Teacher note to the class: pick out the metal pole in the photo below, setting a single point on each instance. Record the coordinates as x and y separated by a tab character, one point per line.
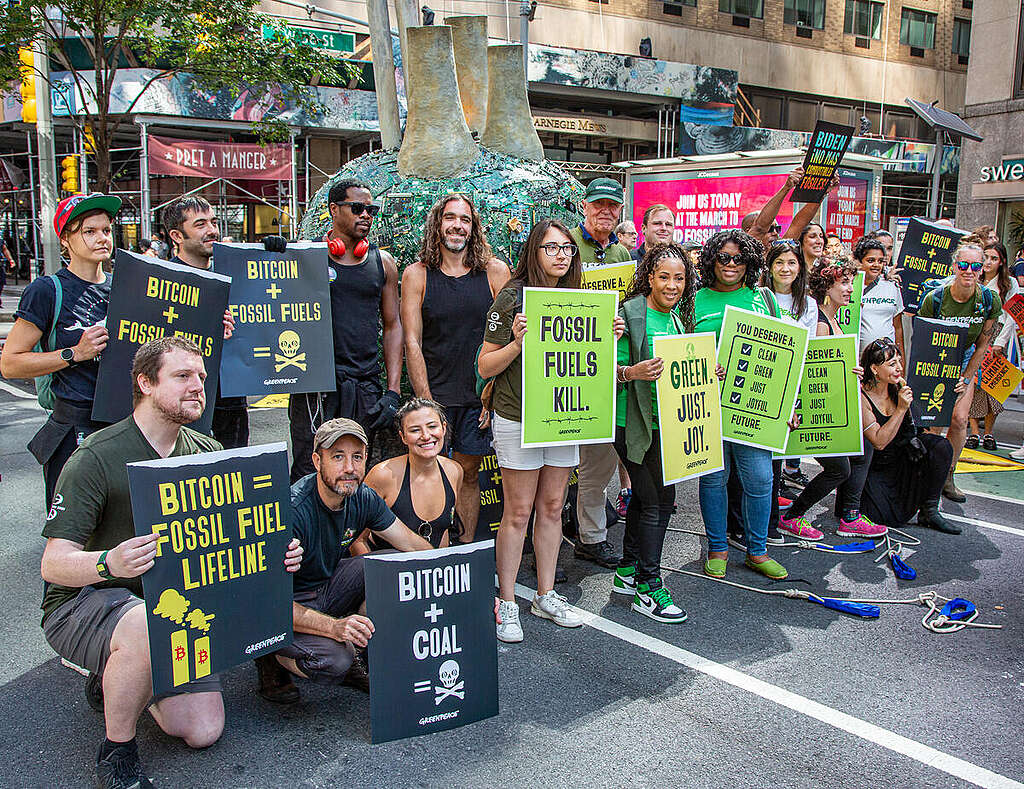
524	36
34	223
293	201
47	160
146	224
305	193
936	175
384	73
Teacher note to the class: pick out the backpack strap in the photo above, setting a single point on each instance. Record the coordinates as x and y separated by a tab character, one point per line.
58	299
769	300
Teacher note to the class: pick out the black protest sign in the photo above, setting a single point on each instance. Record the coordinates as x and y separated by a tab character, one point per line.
152	298
218	594
492	503
828	144
283	340
936	355
926	254
433	655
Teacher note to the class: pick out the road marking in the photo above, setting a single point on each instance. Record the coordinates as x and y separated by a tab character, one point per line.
984	524
6	387
885	738
993	496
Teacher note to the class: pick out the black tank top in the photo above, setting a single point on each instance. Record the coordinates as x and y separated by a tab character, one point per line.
454	310
894	454
355	313
431	530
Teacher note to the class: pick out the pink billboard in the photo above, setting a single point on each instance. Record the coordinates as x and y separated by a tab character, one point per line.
705	205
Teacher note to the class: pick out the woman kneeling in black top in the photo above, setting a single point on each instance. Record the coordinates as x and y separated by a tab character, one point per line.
907	470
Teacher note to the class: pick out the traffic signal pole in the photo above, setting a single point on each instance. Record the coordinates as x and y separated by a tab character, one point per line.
47	161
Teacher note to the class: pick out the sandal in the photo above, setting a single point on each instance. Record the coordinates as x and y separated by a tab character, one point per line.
769	567
972	442
989	443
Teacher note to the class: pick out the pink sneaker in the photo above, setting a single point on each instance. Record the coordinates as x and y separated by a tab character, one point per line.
800	527
862	526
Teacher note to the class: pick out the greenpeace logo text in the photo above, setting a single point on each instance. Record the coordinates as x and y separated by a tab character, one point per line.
264	643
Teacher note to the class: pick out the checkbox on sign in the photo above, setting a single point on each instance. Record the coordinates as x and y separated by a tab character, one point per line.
746	349
734	398
799	404
738	381
742	365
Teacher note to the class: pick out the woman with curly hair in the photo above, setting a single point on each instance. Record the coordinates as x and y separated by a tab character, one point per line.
831	286
659	302
995	275
730	266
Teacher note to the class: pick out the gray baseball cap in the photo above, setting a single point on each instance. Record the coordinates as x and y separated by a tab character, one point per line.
333	429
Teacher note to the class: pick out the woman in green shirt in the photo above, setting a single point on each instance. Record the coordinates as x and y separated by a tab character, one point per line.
659	302
730	265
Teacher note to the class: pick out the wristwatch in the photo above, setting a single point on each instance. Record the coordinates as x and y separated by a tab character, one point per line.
102	568
68	355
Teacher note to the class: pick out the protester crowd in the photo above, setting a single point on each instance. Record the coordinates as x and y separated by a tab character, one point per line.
457	322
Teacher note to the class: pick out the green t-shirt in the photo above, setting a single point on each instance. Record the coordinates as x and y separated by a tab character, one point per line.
507	397
92	505
658	324
709	307
590	250
970	314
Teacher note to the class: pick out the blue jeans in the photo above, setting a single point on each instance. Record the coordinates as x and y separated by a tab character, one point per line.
754	467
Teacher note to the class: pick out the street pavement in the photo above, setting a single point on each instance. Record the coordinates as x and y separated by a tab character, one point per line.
752	691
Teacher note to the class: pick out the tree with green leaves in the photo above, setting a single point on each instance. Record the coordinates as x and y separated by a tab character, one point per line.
219	42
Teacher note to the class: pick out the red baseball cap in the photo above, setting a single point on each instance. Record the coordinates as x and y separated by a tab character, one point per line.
76	205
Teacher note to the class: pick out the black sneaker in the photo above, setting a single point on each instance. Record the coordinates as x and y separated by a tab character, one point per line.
599	553
653	600
94	691
275	682
560	576
794	479
989	443
121	769
775	537
738	540
971	442
358	675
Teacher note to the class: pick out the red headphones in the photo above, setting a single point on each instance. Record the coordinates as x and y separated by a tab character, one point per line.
337	247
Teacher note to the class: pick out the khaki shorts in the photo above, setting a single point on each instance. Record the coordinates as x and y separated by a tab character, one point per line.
80	631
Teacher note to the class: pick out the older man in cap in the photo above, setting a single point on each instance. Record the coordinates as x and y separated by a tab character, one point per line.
330	508
599	247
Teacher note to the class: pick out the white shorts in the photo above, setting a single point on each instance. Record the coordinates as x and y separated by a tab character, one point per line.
508	446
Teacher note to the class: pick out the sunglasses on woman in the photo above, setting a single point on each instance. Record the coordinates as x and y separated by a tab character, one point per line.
358	208
725	259
963	265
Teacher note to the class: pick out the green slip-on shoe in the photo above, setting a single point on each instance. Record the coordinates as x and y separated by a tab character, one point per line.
770	567
715	567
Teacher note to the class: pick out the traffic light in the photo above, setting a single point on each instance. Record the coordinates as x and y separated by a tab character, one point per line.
26	65
89	142
69	173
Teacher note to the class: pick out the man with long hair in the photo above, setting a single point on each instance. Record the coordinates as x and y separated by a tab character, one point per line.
445	297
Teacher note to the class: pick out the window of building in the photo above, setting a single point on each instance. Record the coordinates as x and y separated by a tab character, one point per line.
864	18
801	115
769	109
917	29
675	7
753	8
805	13
836	113
961	38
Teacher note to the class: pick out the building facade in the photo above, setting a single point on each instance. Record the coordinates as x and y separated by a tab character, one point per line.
992	171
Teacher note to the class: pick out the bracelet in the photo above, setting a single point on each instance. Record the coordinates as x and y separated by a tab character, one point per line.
620	375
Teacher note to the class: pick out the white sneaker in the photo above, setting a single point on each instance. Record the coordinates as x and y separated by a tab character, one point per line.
556	608
509	631
1018	454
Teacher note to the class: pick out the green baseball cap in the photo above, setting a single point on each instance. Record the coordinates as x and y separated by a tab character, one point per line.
604	189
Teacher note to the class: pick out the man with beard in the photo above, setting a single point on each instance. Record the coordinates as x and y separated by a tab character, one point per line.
330	508
93	612
364	295
445	297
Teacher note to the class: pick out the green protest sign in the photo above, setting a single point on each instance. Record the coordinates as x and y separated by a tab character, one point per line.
689	414
763	358
829	401
848	317
568	366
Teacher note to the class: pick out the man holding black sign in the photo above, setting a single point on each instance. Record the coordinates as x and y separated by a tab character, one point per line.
364	295
330	508
92	565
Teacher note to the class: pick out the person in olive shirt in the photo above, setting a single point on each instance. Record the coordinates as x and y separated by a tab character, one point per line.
967	303
330	509
599	247
93	612
664	281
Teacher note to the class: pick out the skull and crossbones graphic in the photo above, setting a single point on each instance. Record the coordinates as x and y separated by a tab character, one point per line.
935	399
448	674
288	342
